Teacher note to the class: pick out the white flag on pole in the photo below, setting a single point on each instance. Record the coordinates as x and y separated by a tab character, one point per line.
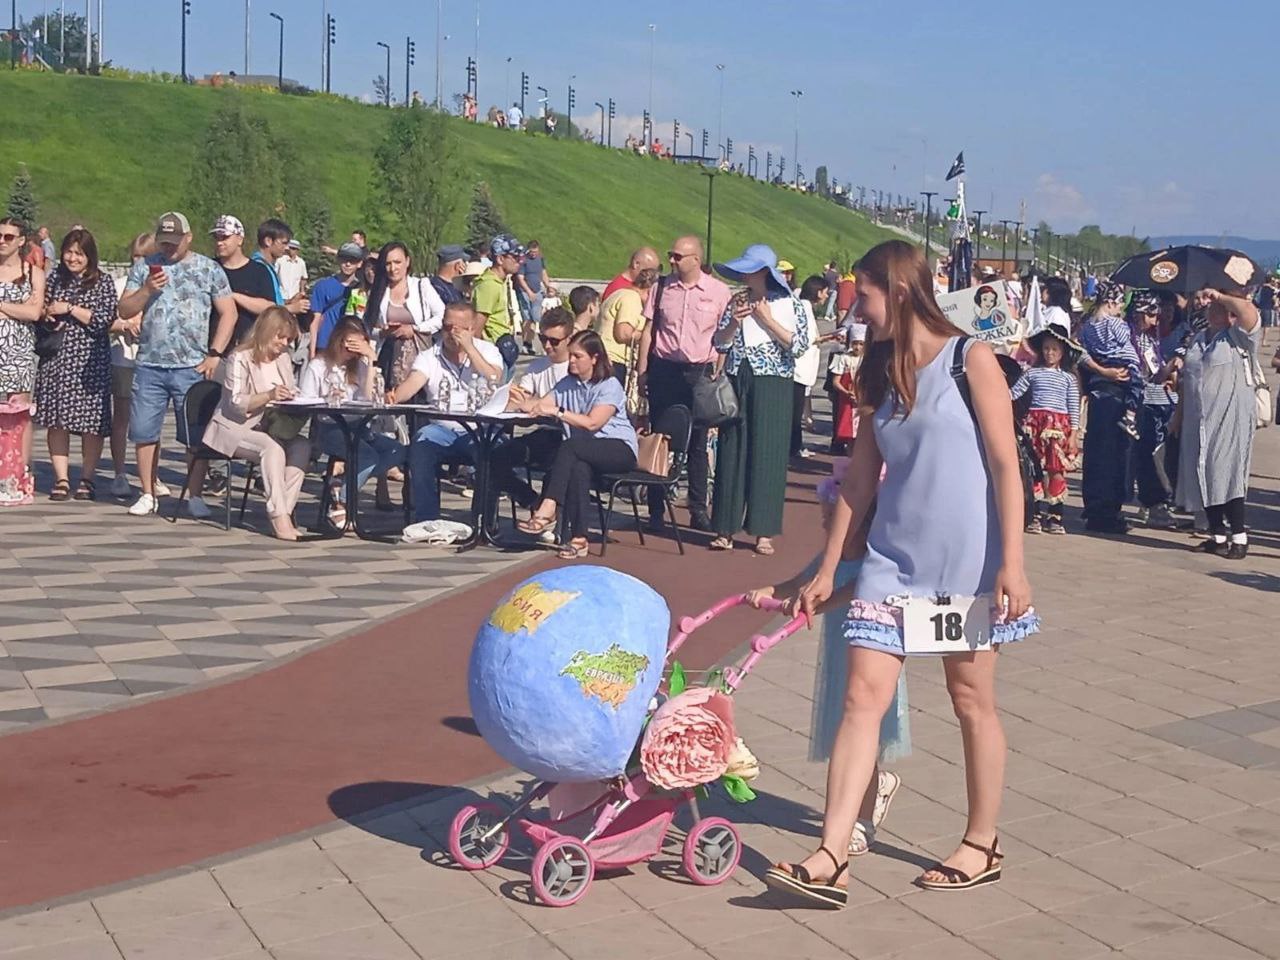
1034	312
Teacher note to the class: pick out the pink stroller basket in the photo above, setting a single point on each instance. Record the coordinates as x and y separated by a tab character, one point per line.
17	485
628	820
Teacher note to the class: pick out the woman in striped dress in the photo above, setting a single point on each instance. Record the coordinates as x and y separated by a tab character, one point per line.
1052	421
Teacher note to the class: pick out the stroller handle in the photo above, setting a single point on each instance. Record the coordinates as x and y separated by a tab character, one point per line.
688	625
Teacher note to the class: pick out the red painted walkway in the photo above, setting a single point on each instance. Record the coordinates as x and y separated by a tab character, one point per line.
171	782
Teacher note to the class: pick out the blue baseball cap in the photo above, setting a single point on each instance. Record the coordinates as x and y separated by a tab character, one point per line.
504	244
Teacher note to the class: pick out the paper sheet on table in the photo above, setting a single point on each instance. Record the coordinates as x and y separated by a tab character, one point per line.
496	406
754	335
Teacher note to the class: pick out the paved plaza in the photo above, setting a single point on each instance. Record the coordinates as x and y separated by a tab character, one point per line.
1141	818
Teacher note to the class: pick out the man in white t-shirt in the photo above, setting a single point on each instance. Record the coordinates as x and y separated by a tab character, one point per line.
538	447
459	359
292	270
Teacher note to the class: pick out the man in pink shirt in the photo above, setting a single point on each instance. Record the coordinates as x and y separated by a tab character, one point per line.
676	350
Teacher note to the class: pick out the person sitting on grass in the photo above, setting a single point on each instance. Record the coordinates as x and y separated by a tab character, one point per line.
598	438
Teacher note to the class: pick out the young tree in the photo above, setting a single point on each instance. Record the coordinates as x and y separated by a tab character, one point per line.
821	183
484	222
382	91
238	170
23	206
416	184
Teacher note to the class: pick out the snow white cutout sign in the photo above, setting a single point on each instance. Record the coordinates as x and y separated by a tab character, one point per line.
982	312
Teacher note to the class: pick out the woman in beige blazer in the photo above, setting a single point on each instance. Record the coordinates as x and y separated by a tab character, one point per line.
257	374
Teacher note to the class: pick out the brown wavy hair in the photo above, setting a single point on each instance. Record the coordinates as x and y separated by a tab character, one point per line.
901	271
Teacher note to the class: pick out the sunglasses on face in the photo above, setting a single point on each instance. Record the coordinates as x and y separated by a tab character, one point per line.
8	237
677	257
551	341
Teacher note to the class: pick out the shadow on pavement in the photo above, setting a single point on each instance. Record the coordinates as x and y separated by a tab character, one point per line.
461	725
1266	582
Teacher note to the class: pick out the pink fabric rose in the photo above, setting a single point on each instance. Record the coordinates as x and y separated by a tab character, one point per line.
689	740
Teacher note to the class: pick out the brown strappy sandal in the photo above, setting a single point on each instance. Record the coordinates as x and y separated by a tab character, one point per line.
958	879
793	878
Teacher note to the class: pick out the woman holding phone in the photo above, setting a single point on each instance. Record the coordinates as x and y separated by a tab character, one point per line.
943	573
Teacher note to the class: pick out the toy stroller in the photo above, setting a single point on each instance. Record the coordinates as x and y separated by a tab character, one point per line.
625	823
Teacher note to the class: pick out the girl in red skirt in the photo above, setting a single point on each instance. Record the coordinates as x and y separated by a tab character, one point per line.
844	401
1052	421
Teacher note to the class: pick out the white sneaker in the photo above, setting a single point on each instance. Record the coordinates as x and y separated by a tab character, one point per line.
885	789
161	490
144	505
198	508
120	486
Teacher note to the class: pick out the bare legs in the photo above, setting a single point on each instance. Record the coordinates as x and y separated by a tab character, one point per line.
873	677
971	683
60	453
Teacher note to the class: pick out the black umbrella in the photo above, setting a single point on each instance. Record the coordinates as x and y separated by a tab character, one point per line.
1188	269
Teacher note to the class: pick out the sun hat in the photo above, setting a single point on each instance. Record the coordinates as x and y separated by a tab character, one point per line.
172	227
758	256
295	245
227	226
474	269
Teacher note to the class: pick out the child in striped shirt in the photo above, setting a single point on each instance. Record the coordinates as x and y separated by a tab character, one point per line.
1052	422
1109	351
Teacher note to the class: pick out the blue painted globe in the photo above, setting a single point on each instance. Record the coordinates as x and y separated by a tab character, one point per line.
563	670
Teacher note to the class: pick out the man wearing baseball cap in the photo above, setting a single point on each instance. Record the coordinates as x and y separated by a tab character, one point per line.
329	296
451	262
176	291
494	297
252	286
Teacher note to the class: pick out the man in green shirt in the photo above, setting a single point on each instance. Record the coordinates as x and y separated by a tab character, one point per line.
494	296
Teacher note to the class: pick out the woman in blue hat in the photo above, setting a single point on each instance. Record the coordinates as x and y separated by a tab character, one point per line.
763	331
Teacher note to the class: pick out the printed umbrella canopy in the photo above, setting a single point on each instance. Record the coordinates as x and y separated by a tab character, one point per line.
1188	269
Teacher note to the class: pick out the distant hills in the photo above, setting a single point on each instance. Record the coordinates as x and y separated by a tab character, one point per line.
1266	252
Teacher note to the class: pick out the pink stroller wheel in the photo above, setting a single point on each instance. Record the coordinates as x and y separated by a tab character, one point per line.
711	851
562	872
469	846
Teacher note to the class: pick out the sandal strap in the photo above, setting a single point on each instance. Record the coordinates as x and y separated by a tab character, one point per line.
992	855
951	873
834	862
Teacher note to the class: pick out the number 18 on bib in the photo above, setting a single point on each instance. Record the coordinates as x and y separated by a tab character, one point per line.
946	624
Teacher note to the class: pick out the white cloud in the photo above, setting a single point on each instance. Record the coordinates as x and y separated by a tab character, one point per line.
1057	200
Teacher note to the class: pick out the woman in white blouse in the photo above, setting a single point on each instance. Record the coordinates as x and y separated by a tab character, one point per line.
257	374
348	364
404	311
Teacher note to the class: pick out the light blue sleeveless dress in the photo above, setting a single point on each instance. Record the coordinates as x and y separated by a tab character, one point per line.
936	529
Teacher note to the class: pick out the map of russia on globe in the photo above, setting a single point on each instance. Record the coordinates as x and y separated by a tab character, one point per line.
563	671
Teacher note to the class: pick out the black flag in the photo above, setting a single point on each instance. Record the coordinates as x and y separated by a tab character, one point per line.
957	167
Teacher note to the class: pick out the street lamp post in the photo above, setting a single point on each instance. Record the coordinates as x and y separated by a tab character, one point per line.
506	86
1017	245
185	11
439	35
653	30
280	58
978	214
330	38
928	215
720	125
689	134
795	151
410	58
601	106
386	86
1004	241
711	187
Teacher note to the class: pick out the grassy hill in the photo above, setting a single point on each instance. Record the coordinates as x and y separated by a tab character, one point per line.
115	153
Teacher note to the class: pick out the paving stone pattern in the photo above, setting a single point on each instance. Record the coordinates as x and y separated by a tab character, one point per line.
98	607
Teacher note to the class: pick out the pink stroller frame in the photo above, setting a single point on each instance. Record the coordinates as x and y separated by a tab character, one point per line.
626	823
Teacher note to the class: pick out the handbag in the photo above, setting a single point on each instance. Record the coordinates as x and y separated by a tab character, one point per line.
49	339
653	453
715	402
282	426
1262	402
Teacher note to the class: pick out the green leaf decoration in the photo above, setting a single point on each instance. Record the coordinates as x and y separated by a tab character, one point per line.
676	685
737	788
716	680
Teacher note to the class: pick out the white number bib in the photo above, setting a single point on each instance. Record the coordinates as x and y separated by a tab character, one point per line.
956	625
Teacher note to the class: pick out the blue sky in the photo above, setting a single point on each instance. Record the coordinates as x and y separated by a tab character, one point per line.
1128	113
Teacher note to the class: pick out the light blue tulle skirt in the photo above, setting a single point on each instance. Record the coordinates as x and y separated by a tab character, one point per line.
831	682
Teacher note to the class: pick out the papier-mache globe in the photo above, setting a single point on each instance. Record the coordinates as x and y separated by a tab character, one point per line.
563	671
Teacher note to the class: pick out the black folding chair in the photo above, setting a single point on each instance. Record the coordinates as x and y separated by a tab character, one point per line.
677	424
198	408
